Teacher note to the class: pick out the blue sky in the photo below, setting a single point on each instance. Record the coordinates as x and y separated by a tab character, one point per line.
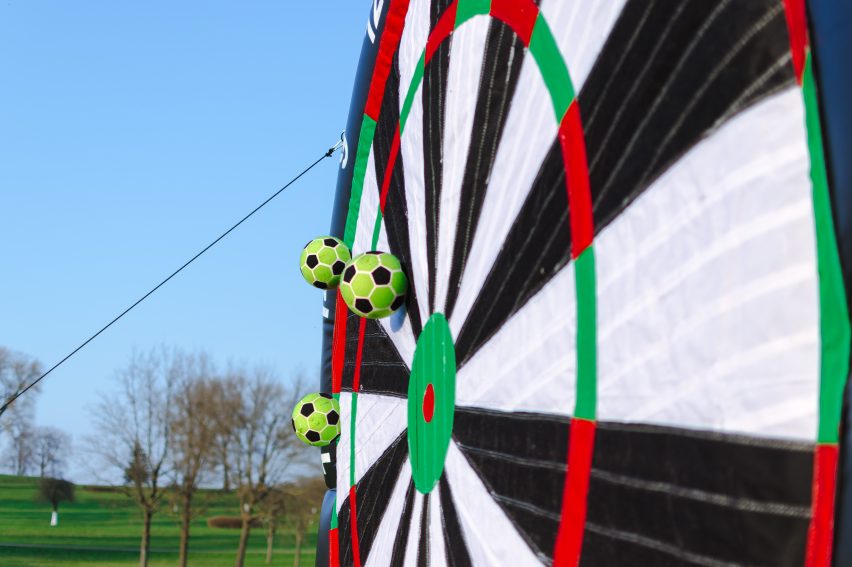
131	134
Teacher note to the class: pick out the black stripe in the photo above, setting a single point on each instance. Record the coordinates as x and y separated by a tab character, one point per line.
396	208
521	461
682	493
537	246
456	549
400	542
373	496
434	106
669	74
382	369
353	322
504	56
423	548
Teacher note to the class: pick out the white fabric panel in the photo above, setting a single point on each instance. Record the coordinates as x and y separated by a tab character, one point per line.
519	157
411	152
437	547
343	449
467	53
513	373
581	29
367	210
413	542
380	420
413	42
389	526
707	287
490	536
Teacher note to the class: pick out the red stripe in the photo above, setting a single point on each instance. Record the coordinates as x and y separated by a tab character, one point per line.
338	344
445	26
577	180
356	380
797	27
520	16
569	540
394	152
353	525
821	532
384	59
333	549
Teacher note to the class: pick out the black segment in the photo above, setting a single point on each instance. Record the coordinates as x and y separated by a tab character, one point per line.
400	542
678	497
373	493
423	546
456	549
537	246
669	74
504	56
396	208
521	459
382	369
434	95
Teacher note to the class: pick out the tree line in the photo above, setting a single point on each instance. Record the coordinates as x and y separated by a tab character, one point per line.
176	423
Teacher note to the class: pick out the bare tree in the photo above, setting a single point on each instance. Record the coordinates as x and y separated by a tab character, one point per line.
55	491
272	510
227	399
17	371
51	447
134	434
21	451
194	425
264	444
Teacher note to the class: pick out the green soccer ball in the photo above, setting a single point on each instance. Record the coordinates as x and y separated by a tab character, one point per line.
374	285
323	261
316	419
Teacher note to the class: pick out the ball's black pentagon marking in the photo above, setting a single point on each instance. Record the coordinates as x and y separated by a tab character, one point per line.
321	285
350	273
332	418
338	266
307	410
326	396
331	242
363	305
312	436
381	275
375	253
312	261
397	303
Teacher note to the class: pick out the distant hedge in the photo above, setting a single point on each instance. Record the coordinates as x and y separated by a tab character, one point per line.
231	522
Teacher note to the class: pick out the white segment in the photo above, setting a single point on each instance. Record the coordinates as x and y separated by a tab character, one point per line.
512	373
467	54
413	542
581	28
707	287
386	533
437	547
381	419
411	153
367	210
490	536
413	41
519	157
343	449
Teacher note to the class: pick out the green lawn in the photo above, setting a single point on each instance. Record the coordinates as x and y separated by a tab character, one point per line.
103	529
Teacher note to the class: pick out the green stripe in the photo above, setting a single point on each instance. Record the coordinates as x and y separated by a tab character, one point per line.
378	227
834	315
553	69
470	8
334	523
353	412
584	276
365	142
412	91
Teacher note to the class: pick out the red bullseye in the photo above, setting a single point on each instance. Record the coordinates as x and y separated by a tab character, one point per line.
429	403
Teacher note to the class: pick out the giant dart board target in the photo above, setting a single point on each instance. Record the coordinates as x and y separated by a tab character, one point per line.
626	336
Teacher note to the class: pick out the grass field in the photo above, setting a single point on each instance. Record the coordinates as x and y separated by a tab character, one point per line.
103	529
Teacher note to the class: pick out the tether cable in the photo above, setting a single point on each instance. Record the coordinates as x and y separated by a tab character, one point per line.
32	384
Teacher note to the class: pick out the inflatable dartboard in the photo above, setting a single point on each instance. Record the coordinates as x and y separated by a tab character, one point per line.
626	334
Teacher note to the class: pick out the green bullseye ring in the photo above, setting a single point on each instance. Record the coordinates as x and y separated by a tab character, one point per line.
431	402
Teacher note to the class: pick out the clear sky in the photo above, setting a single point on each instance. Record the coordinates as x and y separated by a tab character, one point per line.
131	134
